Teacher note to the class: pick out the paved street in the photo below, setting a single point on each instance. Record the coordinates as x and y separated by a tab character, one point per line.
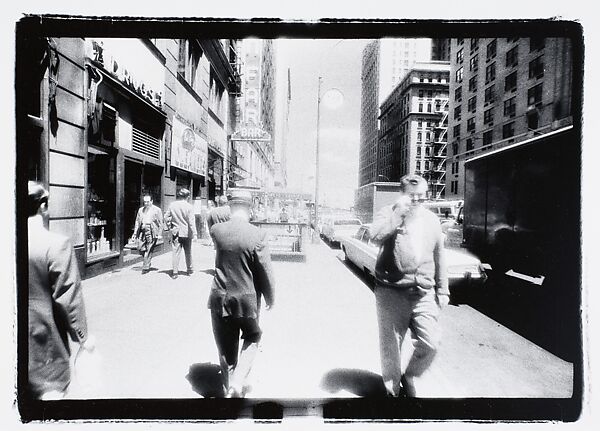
320	340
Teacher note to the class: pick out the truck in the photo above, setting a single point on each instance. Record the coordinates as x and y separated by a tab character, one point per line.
522	215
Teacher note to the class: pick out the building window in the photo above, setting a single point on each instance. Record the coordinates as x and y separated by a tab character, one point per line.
419	136
488	116
418	165
512	57
508	130
473	84
455	148
189	59
509	107
457	113
456	131
536	67
420	107
491	50
459	75
474	43
427	151
533	120
420	124
421	93
470	143
471	106
429	107
471	125
510	82
459	56
488	137
536	43
490	73
489	94
429	94
474	63
418	151
534	95
458	94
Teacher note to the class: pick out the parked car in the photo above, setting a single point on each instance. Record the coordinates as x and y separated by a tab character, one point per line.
335	229
464	269
444	209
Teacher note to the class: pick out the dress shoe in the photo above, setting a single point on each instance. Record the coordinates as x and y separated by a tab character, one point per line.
145	271
190	271
174	276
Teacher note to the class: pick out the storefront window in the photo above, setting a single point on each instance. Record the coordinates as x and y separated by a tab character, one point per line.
101	204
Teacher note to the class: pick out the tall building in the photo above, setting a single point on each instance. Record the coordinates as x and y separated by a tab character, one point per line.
414	122
440	49
504	90
281	149
253	142
384	63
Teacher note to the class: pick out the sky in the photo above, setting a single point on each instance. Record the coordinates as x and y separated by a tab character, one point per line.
338	62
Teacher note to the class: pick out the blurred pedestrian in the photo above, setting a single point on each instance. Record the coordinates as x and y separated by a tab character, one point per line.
180	220
220	213
148	227
283	216
411	284
56	308
243	276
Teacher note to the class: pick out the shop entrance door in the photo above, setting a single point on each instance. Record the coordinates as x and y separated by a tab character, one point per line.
132	197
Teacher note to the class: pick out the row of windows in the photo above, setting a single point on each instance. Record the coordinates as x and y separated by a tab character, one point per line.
511	60
534	97
508	131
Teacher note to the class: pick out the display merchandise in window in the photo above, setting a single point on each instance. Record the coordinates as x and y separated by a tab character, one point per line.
101	204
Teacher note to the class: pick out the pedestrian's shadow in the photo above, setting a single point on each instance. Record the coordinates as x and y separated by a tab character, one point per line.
362	383
210	272
206	380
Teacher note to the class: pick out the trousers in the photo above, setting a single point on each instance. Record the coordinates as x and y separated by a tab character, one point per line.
185	244
397	311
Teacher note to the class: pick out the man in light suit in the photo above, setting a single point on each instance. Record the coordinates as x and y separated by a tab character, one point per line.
56	309
242	276
181	221
148	227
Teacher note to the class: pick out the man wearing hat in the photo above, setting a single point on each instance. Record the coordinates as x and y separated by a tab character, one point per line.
242	276
56	309
180	219
411	284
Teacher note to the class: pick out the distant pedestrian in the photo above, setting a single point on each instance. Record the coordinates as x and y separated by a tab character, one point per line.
283	216
56	309
180	220
411	284
148	227
220	213
243	275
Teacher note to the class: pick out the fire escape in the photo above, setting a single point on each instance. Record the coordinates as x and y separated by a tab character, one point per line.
436	176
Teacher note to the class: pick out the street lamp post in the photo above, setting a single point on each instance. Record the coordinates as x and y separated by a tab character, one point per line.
317	157
334	100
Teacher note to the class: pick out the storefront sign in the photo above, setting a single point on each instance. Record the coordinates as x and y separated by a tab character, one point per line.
130	61
251	133
189	150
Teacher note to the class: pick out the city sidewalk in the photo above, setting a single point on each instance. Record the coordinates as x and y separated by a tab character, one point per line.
319	341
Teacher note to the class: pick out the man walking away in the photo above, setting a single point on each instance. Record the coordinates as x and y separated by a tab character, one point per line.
411	284
56	309
181	221
243	275
220	213
147	229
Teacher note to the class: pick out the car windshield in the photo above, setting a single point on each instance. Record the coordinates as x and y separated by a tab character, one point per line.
347	222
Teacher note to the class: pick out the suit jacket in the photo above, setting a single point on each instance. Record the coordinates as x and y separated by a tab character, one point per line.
56	308
242	269
157	221
181	216
218	215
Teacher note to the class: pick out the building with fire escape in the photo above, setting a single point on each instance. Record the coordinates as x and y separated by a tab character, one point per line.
414	121
503	91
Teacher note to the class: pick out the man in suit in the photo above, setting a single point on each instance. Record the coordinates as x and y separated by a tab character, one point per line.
243	275
56	309
220	213
148	227
181	221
